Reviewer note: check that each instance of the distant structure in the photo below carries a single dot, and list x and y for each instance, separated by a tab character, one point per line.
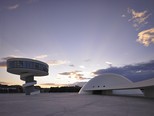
113	84
27	69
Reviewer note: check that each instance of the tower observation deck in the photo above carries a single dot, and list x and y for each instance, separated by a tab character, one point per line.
27	69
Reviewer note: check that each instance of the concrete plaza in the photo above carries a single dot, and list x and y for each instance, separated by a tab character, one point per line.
73	104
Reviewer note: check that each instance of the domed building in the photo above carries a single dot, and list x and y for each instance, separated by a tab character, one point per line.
111	84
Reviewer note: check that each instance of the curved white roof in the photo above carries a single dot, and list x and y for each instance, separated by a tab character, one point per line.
118	85
107	81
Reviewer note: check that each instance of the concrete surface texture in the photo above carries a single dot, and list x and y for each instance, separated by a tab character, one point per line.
73	104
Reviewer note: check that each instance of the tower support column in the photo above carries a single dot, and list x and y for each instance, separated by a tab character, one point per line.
29	89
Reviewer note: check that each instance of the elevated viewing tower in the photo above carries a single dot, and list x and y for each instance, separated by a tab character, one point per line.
27	69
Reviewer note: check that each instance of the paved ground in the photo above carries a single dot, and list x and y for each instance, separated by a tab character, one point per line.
72	104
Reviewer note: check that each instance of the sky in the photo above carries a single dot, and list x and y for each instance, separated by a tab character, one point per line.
76	38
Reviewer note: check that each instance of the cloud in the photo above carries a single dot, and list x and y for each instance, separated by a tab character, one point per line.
139	19
4	59
136	72
123	16
2	63
41	56
4	83
146	37
65	73
58	62
87	60
80	84
54	84
81	66
11	56
109	63
71	72
72	65
13	7
74	74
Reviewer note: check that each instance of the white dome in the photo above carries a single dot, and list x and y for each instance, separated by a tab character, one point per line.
107	81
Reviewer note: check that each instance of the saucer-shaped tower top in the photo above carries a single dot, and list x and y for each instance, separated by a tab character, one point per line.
23	65
27	69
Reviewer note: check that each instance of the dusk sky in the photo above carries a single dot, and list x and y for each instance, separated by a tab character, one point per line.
75	37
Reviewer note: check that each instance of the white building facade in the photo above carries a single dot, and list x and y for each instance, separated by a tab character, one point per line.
113	84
